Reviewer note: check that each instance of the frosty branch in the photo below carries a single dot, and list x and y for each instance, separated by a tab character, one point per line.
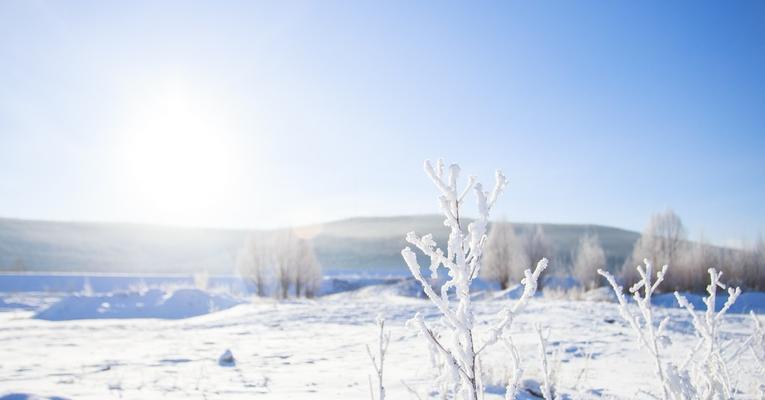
378	361
648	336
546	387
713	367
710	379
456	347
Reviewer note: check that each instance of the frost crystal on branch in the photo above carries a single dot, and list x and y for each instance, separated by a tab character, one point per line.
378	361
546	387
710	379
648	336
713	368
455	349
513	383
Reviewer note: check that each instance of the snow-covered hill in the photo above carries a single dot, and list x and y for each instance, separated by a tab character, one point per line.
372	243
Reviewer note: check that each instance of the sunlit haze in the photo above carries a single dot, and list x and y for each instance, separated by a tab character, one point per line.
265	114
258	199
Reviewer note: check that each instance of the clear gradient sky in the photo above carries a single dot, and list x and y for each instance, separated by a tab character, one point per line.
267	113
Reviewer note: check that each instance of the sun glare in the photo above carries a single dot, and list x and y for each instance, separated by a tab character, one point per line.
177	157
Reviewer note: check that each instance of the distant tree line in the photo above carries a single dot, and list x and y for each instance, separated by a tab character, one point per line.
664	241
280	266
18	265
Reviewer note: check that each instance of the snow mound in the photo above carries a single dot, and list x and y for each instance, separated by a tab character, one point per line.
411	288
154	303
12	305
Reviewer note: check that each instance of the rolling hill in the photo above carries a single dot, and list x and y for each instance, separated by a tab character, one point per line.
355	243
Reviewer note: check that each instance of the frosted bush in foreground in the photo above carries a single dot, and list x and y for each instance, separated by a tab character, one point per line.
712	368
649	336
454	349
710	378
756	345
513	383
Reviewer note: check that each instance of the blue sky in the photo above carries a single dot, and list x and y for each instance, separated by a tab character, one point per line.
259	114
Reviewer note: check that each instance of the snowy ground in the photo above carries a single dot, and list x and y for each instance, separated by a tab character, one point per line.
315	349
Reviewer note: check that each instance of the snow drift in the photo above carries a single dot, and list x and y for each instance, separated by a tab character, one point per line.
153	303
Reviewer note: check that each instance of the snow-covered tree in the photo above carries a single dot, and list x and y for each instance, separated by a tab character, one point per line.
661	243
759	257
536	247
254	262
692	262
588	260
308	269
745	266
282	265
665	236
454	349
285	263
18	265
748	265
505	258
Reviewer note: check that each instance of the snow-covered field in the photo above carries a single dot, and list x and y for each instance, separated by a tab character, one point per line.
312	349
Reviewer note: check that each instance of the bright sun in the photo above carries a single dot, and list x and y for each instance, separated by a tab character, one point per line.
177	157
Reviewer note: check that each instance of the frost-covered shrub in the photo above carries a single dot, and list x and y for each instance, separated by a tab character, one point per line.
454	350
711	367
705	374
756	346
544	366
650	336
